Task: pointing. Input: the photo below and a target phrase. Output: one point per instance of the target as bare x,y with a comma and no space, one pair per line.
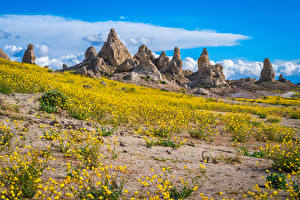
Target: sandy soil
226,170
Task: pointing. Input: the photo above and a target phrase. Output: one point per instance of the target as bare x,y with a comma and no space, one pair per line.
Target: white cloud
13,50
60,40
237,68
190,64
41,50
65,36
56,63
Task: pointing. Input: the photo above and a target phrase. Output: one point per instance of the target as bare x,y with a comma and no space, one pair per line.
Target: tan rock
90,53
3,55
163,62
127,66
144,54
149,69
176,63
113,50
267,73
282,79
203,61
29,56
82,71
209,75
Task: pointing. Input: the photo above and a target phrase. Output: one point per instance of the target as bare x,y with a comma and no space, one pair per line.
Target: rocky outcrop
127,66
92,65
90,53
113,50
267,73
29,56
282,79
176,63
203,62
3,55
208,74
149,69
201,91
144,54
163,62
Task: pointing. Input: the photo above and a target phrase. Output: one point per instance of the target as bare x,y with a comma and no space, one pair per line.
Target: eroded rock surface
267,73
29,56
114,51
208,74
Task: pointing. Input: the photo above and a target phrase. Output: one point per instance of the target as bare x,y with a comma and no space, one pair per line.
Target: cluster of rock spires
115,58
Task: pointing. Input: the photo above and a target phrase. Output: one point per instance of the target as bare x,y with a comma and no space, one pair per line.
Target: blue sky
270,28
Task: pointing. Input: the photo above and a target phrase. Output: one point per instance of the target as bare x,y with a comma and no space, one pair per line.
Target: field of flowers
285,101
161,118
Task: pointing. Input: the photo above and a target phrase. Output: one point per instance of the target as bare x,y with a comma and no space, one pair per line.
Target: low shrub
52,100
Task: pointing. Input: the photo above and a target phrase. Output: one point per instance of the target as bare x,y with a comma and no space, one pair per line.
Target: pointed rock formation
163,62
267,73
203,61
146,63
92,65
176,63
113,50
29,56
90,53
144,54
208,74
282,79
3,55
149,69
127,66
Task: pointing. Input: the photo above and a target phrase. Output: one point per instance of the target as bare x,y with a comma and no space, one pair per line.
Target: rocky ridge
115,61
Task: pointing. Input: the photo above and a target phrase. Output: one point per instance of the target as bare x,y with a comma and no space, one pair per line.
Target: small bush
277,181
5,89
285,156
5,138
295,115
161,132
180,194
257,154
163,82
27,177
90,154
78,114
104,132
203,133
262,115
273,119
52,100
164,143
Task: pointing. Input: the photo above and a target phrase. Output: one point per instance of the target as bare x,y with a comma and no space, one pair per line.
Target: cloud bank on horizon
60,40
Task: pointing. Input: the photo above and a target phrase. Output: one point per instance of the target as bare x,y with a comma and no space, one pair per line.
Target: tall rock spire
163,62
29,56
144,54
113,50
210,75
267,73
176,63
